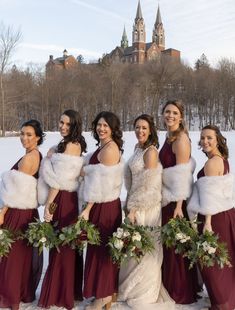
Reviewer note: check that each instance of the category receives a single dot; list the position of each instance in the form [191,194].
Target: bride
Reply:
[141,284]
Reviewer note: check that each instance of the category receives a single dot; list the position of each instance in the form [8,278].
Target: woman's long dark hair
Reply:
[153,137]
[221,140]
[182,126]
[75,132]
[114,123]
[36,125]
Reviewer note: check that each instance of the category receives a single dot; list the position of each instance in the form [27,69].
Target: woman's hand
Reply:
[47,216]
[178,213]
[50,152]
[85,214]
[132,216]
[207,227]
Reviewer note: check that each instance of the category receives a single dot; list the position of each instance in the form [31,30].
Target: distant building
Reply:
[140,51]
[64,62]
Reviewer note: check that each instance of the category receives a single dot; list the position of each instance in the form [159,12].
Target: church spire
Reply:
[124,41]
[158,31]
[138,12]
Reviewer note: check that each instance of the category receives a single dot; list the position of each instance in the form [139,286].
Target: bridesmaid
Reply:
[20,272]
[178,167]
[58,183]
[213,201]
[102,186]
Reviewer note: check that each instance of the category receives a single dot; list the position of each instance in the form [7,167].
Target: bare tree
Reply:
[9,38]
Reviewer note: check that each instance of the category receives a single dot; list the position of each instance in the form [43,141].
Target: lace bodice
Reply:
[136,161]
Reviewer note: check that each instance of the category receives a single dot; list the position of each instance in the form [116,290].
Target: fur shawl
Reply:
[177,182]
[101,183]
[18,190]
[60,171]
[144,192]
[212,195]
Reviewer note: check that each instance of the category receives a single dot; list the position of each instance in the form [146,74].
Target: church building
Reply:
[140,51]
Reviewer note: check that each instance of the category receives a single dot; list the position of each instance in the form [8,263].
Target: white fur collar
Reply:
[18,190]
[212,195]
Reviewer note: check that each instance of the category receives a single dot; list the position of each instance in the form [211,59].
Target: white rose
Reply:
[43,240]
[118,244]
[119,232]
[211,250]
[136,236]
[179,236]
[126,234]
[1,231]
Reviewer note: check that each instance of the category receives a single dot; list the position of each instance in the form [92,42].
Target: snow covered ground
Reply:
[11,150]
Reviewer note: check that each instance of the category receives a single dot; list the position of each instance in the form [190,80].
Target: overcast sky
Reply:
[94,27]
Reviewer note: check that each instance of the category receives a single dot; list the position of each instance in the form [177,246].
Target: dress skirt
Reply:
[20,272]
[101,274]
[63,279]
[180,281]
[220,283]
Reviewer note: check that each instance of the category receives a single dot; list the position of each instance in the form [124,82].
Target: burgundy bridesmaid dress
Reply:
[180,281]
[20,271]
[62,283]
[101,275]
[220,283]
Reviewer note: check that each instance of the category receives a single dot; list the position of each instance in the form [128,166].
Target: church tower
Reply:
[124,41]
[138,37]
[158,31]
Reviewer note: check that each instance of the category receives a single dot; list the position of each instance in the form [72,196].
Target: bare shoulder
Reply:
[151,157]
[110,154]
[29,163]
[182,148]
[73,149]
[214,166]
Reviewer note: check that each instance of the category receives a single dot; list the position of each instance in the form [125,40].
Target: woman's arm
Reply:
[3,211]
[213,167]
[182,149]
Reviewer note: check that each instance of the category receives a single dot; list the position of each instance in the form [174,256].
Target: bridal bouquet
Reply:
[208,251]
[6,240]
[130,241]
[79,234]
[42,234]
[178,233]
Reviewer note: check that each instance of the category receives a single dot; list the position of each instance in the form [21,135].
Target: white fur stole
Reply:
[60,171]
[212,195]
[177,182]
[18,190]
[145,189]
[101,183]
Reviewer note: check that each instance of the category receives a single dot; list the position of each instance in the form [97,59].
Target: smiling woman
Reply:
[20,272]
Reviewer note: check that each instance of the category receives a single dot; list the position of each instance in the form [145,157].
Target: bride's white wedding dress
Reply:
[140,285]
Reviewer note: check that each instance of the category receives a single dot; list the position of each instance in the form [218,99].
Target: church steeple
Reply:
[124,41]
[158,31]
[138,33]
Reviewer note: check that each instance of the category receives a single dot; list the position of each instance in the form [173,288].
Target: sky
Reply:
[94,27]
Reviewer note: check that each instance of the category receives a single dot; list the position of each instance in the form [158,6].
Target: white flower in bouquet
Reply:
[118,244]
[126,234]
[136,236]
[211,250]
[43,240]
[179,236]
[205,245]
[1,232]
[119,233]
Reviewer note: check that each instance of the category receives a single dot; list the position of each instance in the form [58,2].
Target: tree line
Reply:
[126,89]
